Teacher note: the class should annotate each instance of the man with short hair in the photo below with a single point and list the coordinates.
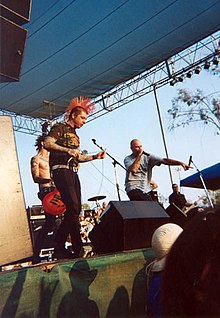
(139, 167)
(178, 199)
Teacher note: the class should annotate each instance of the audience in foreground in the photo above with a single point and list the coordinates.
(191, 278)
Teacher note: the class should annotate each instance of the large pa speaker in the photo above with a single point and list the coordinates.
(127, 225)
(13, 39)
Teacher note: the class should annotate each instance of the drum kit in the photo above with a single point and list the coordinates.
(90, 218)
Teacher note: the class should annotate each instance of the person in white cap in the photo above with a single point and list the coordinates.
(161, 242)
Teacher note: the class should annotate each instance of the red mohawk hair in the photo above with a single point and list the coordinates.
(81, 101)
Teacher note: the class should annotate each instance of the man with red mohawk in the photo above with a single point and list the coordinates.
(63, 144)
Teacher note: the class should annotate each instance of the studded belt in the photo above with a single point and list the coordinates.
(74, 169)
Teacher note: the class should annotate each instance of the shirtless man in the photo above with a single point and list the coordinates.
(40, 171)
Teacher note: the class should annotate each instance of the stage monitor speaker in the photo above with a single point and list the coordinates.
(127, 225)
(17, 11)
(13, 38)
(176, 215)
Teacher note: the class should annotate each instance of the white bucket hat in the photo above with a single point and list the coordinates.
(161, 242)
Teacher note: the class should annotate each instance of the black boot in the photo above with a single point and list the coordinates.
(36, 258)
(62, 253)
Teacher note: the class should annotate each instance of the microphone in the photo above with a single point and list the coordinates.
(190, 160)
(145, 153)
(94, 141)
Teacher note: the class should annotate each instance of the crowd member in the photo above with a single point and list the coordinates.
(161, 242)
(139, 171)
(178, 199)
(63, 144)
(40, 171)
(153, 185)
(191, 281)
(101, 209)
(153, 193)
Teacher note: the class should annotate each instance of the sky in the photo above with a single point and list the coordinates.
(114, 131)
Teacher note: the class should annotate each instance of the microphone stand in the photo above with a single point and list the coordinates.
(203, 183)
(114, 164)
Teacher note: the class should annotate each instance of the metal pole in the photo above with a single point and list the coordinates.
(162, 131)
(204, 185)
(116, 181)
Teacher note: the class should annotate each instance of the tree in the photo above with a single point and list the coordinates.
(190, 107)
(215, 197)
(85, 206)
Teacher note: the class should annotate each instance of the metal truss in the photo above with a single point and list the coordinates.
(175, 69)
(24, 124)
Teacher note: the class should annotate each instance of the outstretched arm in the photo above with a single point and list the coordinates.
(173, 162)
(50, 144)
(86, 158)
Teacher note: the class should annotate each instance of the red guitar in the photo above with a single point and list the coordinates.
(53, 204)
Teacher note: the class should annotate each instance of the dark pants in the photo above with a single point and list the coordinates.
(138, 195)
(67, 183)
(48, 226)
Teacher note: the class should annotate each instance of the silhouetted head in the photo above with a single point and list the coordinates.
(191, 280)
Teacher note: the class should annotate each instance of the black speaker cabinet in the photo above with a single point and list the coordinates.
(127, 225)
(35, 212)
(176, 215)
(35, 228)
(17, 11)
(13, 39)
(36, 218)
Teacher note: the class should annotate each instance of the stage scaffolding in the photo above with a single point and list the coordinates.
(170, 71)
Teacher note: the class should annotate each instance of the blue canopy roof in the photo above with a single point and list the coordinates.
(87, 47)
(211, 177)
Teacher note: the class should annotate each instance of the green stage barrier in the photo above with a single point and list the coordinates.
(102, 286)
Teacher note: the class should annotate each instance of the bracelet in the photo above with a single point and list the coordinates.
(94, 157)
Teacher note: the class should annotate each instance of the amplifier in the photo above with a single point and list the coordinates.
(35, 212)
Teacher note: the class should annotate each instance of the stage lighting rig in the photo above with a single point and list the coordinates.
(189, 74)
(173, 81)
(215, 61)
(198, 69)
(207, 65)
(181, 78)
